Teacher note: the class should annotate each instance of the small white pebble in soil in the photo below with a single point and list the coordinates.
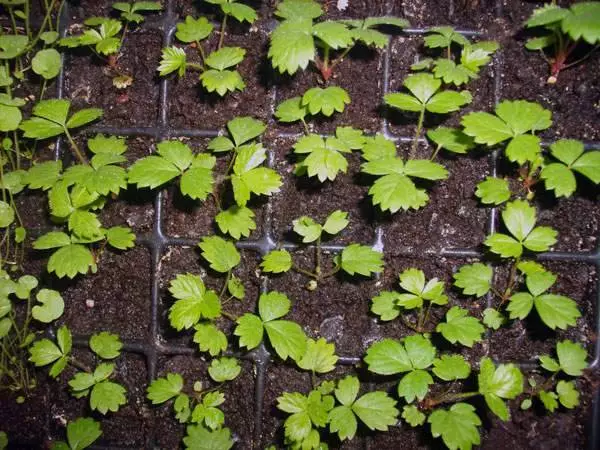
(89, 303)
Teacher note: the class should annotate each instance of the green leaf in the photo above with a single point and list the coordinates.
(291, 110)
(493, 191)
(520, 305)
(422, 85)
(582, 22)
(225, 58)
(7, 214)
(451, 139)
(523, 116)
(120, 238)
(221, 254)
(52, 239)
(277, 261)
(504, 245)
(82, 432)
(187, 311)
(164, 389)
(497, 406)
(235, 287)
(83, 117)
(347, 390)
(82, 381)
(376, 410)
(324, 158)
(200, 438)
(474, 279)
(343, 422)
(384, 305)
(240, 11)
(10, 118)
(485, 128)
(5, 327)
(71, 260)
(334, 34)
(287, 338)
(412, 415)
(451, 368)
(12, 45)
(393, 192)
(549, 363)
(224, 369)
(546, 15)
(298, 9)
(539, 43)
(64, 340)
(571, 357)
(457, 426)
(325, 101)
(152, 172)
(414, 385)
(524, 148)
(493, 319)
(292, 45)
(106, 345)
(250, 331)
(319, 356)
(559, 178)
(43, 175)
(557, 311)
(46, 63)
(428, 170)
(193, 29)
(589, 166)
(451, 73)
(172, 59)
(85, 224)
(273, 305)
(567, 394)
(549, 400)
(448, 101)
(504, 381)
(52, 306)
(210, 339)
(107, 396)
(361, 259)
(237, 221)
(388, 357)
(307, 228)
(460, 327)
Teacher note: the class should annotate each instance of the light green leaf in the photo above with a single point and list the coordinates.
(193, 29)
(52, 306)
(457, 426)
(224, 369)
(474, 279)
(319, 356)
(291, 110)
(250, 331)
(221, 254)
(152, 172)
(277, 261)
(460, 327)
(557, 311)
(71, 260)
(172, 59)
(120, 238)
(376, 410)
(567, 394)
(200, 438)
(361, 259)
(412, 415)
(82, 432)
(287, 338)
(237, 221)
(451, 368)
(524, 148)
(493, 319)
(210, 339)
(325, 101)
(107, 396)
(388, 357)
(493, 191)
(164, 389)
(571, 357)
(46, 63)
(292, 45)
(225, 58)
(393, 192)
(451, 139)
(106, 345)
(414, 385)
(336, 222)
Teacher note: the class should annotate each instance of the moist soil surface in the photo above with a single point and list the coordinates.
(119, 297)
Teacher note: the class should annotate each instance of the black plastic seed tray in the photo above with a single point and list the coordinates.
(158, 242)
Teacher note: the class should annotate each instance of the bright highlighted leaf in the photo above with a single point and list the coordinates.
(325, 101)
(52, 306)
(319, 356)
(474, 279)
(224, 369)
(210, 339)
(571, 357)
(106, 345)
(237, 221)
(193, 302)
(361, 259)
(457, 426)
(164, 389)
(221, 254)
(277, 261)
(460, 327)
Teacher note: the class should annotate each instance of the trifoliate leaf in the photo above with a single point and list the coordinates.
(44, 352)
(172, 59)
(571, 357)
(361, 259)
(325, 101)
(106, 345)
(221, 254)
(52, 306)
(224, 369)
(210, 339)
(277, 261)
(194, 302)
(324, 157)
(567, 394)
(460, 327)
(200, 438)
(451, 368)
(107, 396)
(457, 426)
(493, 191)
(319, 356)
(474, 279)
(376, 410)
(164, 389)
(412, 415)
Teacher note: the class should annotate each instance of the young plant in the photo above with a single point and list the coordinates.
(420, 296)
(564, 31)
(197, 408)
(424, 96)
(324, 157)
(394, 188)
(462, 70)
(416, 358)
(81, 434)
(354, 259)
(314, 101)
(295, 41)
(335, 404)
(216, 70)
(15, 328)
(570, 362)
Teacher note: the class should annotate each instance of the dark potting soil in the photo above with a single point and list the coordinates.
(117, 298)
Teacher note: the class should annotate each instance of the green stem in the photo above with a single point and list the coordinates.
(340, 58)
(305, 272)
(229, 316)
(43, 26)
(427, 314)
(222, 37)
(201, 51)
(27, 26)
(43, 90)
(198, 67)
(452, 398)
(318, 251)
(224, 288)
(79, 365)
(332, 273)
(415, 143)
(17, 149)
(125, 28)
(435, 153)
(306, 130)
(75, 148)
(12, 19)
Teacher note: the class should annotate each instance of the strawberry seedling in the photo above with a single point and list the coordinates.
(395, 189)
(81, 434)
(564, 30)
(295, 41)
(354, 259)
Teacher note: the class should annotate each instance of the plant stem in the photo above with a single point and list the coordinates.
(27, 27)
(435, 152)
(332, 273)
(222, 37)
(318, 251)
(305, 272)
(452, 398)
(340, 58)
(195, 66)
(82, 159)
(229, 316)
(224, 288)
(79, 365)
(306, 130)
(415, 143)
(12, 19)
